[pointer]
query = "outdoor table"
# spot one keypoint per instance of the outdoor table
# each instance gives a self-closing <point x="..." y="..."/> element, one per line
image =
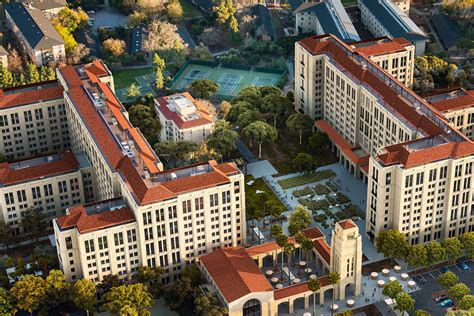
<point x="302" y="263"/>
<point x="397" y="268"/>
<point x="274" y="280"/>
<point x="411" y="284"/>
<point x="392" y="278"/>
<point x="313" y="276"/>
<point x="295" y="281"/>
<point x="404" y="276"/>
<point x="308" y="270"/>
<point x="279" y="286"/>
<point x="307" y="314"/>
<point x="269" y="273"/>
<point x="380" y="283"/>
<point x="334" y="307"/>
<point x="350" y="303"/>
<point x="374" y="275"/>
<point x="385" y="272"/>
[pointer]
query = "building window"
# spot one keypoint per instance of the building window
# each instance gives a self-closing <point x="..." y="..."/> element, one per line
<point x="252" y="308"/>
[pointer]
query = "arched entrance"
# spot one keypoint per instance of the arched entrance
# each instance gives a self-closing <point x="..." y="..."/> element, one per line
<point x="283" y="308"/>
<point x="252" y="308"/>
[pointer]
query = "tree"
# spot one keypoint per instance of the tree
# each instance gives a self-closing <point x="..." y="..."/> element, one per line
<point x="225" y="10"/>
<point x="223" y="138"/>
<point x="84" y="294"/>
<point x="127" y="310"/>
<point x="77" y="54"/>
<point x="69" y="42"/>
<point x="174" y="10"/>
<point x="6" y="235"/>
<point x="314" y="285"/>
<point x="252" y="95"/>
<point x="288" y="249"/>
<point x="32" y="73"/>
<point x="133" y="91"/>
<point x="404" y="302"/>
<point x="304" y="162"/>
<point x="208" y="305"/>
<point x="281" y="241"/>
<point x="307" y="247"/>
<point x="466" y="303"/>
<point x="178" y="293"/>
<point x="260" y="132"/>
<point x="391" y="243"/>
<point x="317" y="141"/>
<point x="334" y="278"/>
<point x="71" y="19"/>
<point x="162" y="36"/>
<point x="7" y="307"/>
<point x="7" y="78"/>
<point x="144" y="117"/>
<point x="135" y="296"/>
<point x="453" y="248"/>
<point x="137" y="18"/>
<point x="300" y="219"/>
<point x="435" y="252"/>
<point x="458" y="291"/>
<point x="233" y="25"/>
<point x="248" y="117"/>
<point x="115" y="47"/>
<point x="467" y="242"/>
<point x="447" y="279"/>
<point x="417" y="256"/>
<point x="225" y="109"/>
<point x="159" y="66"/>
<point x="29" y="292"/>
<point x="276" y="104"/>
<point x="57" y="288"/>
<point x="151" y="277"/>
<point x="15" y="63"/>
<point x="35" y="224"/>
<point x="392" y="289"/>
<point x="299" y="124"/>
<point x="203" y="88"/>
<point x="420" y="312"/>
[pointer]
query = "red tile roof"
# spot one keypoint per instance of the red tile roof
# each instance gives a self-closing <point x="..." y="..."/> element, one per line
<point x="17" y="97"/>
<point x="297" y="289"/>
<point x="465" y="101"/>
<point x="347" y="224"/>
<point x="313" y="233"/>
<point x="67" y="163"/>
<point x="97" y="68"/>
<point x="322" y="247"/>
<point x="85" y="223"/>
<point x="328" y="44"/>
<point x="380" y="46"/>
<point x="234" y="273"/>
<point x="266" y="247"/>
<point x="204" y="115"/>
<point x="341" y="143"/>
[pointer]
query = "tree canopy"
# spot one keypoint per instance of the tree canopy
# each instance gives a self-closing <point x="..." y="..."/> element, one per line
<point x="135" y="296"/>
<point x="260" y="132"/>
<point x="29" y="292"/>
<point x="203" y="88"/>
<point x="447" y="279"/>
<point x="84" y="294"/>
<point x="391" y="243"/>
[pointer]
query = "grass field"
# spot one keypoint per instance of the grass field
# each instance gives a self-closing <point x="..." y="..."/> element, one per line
<point x="189" y="9"/>
<point x="306" y="178"/>
<point x="230" y="80"/>
<point x="124" y="78"/>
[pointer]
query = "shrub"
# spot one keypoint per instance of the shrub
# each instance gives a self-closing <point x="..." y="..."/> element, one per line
<point x="302" y="192"/>
<point x="321" y="189"/>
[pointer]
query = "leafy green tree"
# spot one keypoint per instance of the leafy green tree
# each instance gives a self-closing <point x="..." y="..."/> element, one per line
<point x="404" y="302"/>
<point x="7" y="238"/>
<point x="391" y="243"/>
<point x="159" y="66"/>
<point x="314" y="285"/>
<point x="135" y="296"/>
<point x="248" y="117"/>
<point x="207" y="305"/>
<point x="32" y="73"/>
<point x="238" y="108"/>
<point x="151" y="277"/>
<point x="334" y="279"/>
<point x="467" y="242"/>
<point x="223" y="138"/>
<point x="317" y="141"/>
<point x="203" y="88"/>
<point x="174" y="10"/>
<point x="193" y="273"/>
<point x="458" y="291"/>
<point x="299" y="124"/>
<point x="69" y="41"/>
<point x="447" y="279"/>
<point x="133" y="91"/>
<point x="144" y="117"/>
<point x="225" y="10"/>
<point x="260" y="132"/>
<point x="299" y="219"/>
<point x="29" y="293"/>
<point x="417" y="256"/>
<point x="453" y="248"/>
<point x="307" y="247"/>
<point x="84" y="294"/>
<point x="35" y="224"/>
<point x="392" y="289"/>
<point x="420" y="312"/>
<point x="467" y="302"/>
<point x="233" y="25"/>
<point x="435" y="252"/>
<point x="281" y="241"/>
<point x="7" y="306"/>
<point x="275" y="104"/>
<point x="71" y="19"/>
<point x="304" y="162"/>
<point x="252" y="95"/>
<point x="178" y="293"/>
<point x="128" y="311"/>
<point x="56" y="287"/>
<point x="289" y="250"/>
<point x="7" y="77"/>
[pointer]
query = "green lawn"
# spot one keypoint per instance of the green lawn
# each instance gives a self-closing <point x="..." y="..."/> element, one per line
<point x="306" y="178"/>
<point x="259" y="185"/>
<point x="189" y="9"/>
<point x="124" y="78"/>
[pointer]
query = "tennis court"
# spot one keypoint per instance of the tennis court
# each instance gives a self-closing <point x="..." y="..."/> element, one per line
<point x="231" y="78"/>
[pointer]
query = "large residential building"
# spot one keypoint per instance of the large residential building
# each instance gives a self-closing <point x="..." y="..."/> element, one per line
<point x="35" y="33"/>
<point x="33" y="120"/>
<point x="417" y="165"/>
<point x="49" y="7"/>
<point x="143" y="215"/>
<point x="385" y="18"/>
<point x="183" y="119"/>
<point x="49" y="183"/>
<point x="396" y="56"/>
<point x="235" y="274"/>
<point x="327" y="17"/>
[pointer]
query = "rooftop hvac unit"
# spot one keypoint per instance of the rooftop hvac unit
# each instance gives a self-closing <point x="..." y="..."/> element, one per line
<point x="50" y="158"/>
<point x="173" y="176"/>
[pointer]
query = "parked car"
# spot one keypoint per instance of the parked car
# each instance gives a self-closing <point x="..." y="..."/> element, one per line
<point x="447" y="303"/>
<point x="441" y="298"/>
<point x="444" y="270"/>
<point x="90" y="12"/>
<point x="462" y="266"/>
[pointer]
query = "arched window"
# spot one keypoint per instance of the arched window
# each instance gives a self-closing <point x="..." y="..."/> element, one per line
<point x="252" y="308"/>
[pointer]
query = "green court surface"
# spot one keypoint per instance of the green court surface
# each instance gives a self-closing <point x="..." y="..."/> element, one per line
<point x="230" y="80"/>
